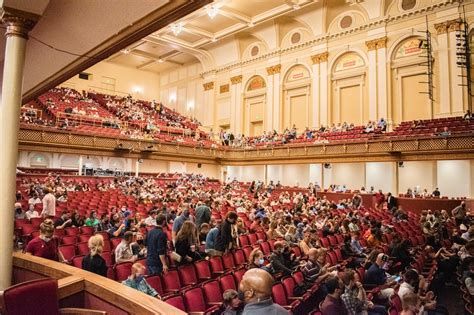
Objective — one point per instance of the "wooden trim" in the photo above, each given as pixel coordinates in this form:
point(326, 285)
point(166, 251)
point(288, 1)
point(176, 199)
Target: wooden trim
point(152, 22)
point(72, 280)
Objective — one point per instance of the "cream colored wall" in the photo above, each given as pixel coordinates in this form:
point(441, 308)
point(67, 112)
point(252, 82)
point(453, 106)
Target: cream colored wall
point(246, 173)
point(350, 174)
point(274, 173)
point(154, 166)
point(209, 170)
point(140, 84)
point(417, 173)
point(381, 175)
point(295, 175)
point(454, 178)
point(315, 174)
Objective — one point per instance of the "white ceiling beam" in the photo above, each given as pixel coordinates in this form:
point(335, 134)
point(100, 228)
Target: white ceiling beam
point(197, 31)
point(235, 15)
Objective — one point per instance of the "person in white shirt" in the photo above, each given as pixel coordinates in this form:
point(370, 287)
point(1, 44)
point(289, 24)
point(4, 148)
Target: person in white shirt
point(123, 251)
point(31, 213)
point(34, 200)
point(151, 219)
point(49, 204)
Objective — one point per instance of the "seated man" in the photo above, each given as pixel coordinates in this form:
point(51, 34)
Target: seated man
point(123, 251)
point(281, 260)
point(316, 270)
point(256, 288)
point(376, 276)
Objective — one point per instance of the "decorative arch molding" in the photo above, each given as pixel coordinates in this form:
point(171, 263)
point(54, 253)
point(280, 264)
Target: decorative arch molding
point(392, 49)
point(301, 74)
point(296, 107)
point(358, 17)
point(336, 57)
point(287, 39)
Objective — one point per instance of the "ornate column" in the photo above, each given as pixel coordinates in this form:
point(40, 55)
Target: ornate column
point(372, 76)
point(236, 110)
point(17, 29)
point(272, 106)
point(457, 90)
point(444, 77)
point(319, 89)
point(210, 104)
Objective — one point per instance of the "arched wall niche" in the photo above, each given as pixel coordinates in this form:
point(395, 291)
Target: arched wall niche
point(296, 97)
point(40, 160)
point(349, 101)
point(408, 80)
point(254, 104)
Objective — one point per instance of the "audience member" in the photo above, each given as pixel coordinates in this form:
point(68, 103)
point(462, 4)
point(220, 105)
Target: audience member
point(94, 262)
point(137, 281)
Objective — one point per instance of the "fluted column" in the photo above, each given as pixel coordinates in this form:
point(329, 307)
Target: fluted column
point(272, 105)
point(443, 56)
point(319, 89)
point(236, 110)
point(377, 76)
point(210, 104)
point(17, 29)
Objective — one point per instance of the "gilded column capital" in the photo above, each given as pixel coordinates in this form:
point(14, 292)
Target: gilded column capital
point(377, 43)
point(16, 25)
point(323, 57)
point(273, 69)
point(208, 86)
point(236, 80)
point(454, 25)
point(224, 88)
point(371, 44)
point(441, 28)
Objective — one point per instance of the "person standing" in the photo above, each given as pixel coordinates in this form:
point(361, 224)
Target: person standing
point(224, 238)
point(459, 213)
point(49, 204)
point(45, 245)
point(156, 247)
point(203, 214)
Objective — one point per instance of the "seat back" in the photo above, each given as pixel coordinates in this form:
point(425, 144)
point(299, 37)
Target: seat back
point(203, 270)
point(212, 291)
point(123, 271)
point(396, 302)
point(77, 261)
point(238, 274)
point(68, 251)
point(155, 283)
point(228, 261)
point(227, 281)
point(69, 240)
point(171, 281)
point(279, 294)
point(299, 277)
point(239, 257)
point(216, 264)
point(23, 298)
point(175, 300)
point(194, 300)
point(265, 247)
point(82, 248)
point(87, 230)
point(252, 238)
point(71, 230)
point(289, 285)
point(243, 240)
point(187, 274)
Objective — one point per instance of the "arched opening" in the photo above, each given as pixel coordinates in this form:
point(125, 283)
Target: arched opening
point(409, 97)
point(296, 96)
point(349, 99)
point(254, 100)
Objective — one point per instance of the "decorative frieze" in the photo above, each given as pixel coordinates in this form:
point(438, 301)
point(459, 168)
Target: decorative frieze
point(448, 26)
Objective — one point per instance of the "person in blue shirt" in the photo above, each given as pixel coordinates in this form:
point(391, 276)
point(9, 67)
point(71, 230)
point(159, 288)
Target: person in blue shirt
point(137, 281)
point(156, 247)
point(376, 275)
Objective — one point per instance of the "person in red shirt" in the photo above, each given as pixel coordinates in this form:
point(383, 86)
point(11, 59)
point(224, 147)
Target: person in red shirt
point(45, 245)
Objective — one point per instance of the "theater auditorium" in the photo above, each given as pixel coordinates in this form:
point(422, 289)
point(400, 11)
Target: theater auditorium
point(237, 157)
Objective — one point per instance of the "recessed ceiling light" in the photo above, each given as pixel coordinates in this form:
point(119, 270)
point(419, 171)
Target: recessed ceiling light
point(296, 7)
point(161, 60)
point(251, 24)
point(125, 51)
point(214, 39)
point(176, 28)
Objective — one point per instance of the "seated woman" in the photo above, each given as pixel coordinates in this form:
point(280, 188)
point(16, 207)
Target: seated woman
point(256, 260)
point(94, 261)
point(137, 281)
point(186, 243)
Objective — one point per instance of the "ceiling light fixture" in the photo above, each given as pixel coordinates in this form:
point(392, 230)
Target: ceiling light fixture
point(296, 7)
point(214, 39)
point(212, 11)
point(251, 24)
point(176, 28)
point(160, 60)
point(125, 51)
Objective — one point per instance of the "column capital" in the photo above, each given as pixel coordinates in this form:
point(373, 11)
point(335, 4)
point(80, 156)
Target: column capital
point(236, 79)
point(322, 57)
point(208, 86)
point(17, 25)
point(273, 69)
point(454, 25)
point(224, 88)
point(441, 28)
point(377, 43)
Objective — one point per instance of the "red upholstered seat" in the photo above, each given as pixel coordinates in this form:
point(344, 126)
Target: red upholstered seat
point(227, 281)
point(171, 282)
point(228, 261)
point(239, 273)
point(71, 230)
point(82, 248)
point(77, 261)
point(123, 271)
point(87, 230)
point(187, 274)
point(203, 270)
point(69, 240)
point(68, 251)
point(279, 296)
point(155, 283)
point(217, 266)
point(212, 291)
point(195, 302)
point(175, 300)
point(239, 257)
point(31, 295)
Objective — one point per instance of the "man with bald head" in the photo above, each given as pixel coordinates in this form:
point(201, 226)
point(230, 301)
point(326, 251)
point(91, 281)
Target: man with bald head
point(255, 291)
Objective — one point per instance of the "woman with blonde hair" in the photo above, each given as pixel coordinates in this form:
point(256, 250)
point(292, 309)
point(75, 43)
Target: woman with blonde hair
point(94, 262)
point(45, 245)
